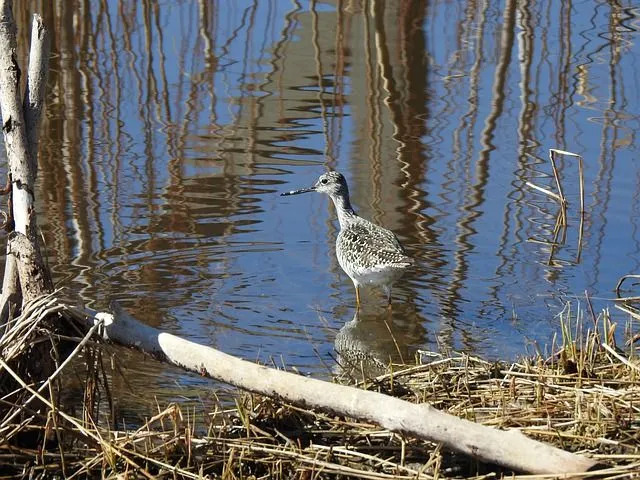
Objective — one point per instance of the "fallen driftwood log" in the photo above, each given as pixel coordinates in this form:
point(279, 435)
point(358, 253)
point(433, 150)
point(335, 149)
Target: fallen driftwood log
point(509, 448)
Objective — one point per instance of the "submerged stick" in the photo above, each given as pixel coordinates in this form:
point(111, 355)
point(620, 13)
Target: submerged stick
point(509, 448)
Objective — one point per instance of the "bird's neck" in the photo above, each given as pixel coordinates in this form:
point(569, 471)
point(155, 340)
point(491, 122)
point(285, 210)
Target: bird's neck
point(344, 209)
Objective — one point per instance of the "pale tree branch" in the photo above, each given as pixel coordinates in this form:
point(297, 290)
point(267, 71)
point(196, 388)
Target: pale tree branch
point(36, 85)
point(13, 126)
point(20, 125)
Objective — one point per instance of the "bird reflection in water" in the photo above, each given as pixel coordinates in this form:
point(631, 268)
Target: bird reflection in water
point(368, 344)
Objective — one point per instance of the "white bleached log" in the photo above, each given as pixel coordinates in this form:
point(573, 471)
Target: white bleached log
point(508, 448)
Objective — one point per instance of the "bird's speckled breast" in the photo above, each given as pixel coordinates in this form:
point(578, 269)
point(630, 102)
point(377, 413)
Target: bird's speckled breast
point(369, 253)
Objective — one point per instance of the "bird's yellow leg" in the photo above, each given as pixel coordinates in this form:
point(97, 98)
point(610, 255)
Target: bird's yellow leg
point(357, 296)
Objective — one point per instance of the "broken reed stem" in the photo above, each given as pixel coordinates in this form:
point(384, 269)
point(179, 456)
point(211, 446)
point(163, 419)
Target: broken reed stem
point(561, 218)
point(546, 191)
point(580, 236)
point(581, 177)
point(556, 175)
point(620, 357)
point(632, 312)
point(560, 197)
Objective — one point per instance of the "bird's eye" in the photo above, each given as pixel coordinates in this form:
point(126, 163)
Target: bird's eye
point(324, 181)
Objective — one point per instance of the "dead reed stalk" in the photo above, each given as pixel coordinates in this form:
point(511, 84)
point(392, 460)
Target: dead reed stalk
point(561, 222)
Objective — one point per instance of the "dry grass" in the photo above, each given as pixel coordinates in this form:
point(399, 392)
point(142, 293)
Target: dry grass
point(584, 397)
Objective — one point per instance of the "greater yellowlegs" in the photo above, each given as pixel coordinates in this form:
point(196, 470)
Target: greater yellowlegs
point(368, 253)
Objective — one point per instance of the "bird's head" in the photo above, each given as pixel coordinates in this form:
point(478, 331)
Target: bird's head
point(332, 183)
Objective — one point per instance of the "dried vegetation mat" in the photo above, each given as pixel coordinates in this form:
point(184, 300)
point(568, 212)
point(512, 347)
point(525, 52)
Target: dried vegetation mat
point(584, 396)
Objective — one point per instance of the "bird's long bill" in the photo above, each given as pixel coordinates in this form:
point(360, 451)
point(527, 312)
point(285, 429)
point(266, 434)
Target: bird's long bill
point(296, 192)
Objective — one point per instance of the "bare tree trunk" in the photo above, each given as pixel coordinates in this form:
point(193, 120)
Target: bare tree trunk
point(26, 276)
point(20, 124)
point(508, 448)
point(36, 86)
point(32, 271)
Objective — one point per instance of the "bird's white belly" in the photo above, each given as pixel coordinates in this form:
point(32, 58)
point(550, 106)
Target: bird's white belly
point(379, 275)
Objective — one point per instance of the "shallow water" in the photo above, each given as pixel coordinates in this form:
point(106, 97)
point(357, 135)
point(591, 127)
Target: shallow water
point(171, 129)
